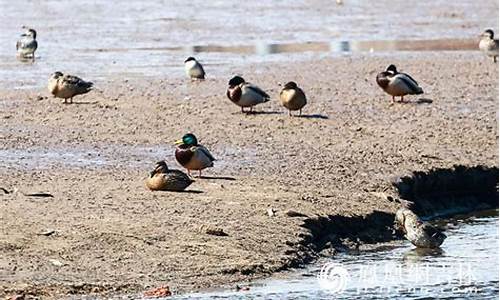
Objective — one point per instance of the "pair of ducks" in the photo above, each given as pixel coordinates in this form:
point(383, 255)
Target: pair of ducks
point(190, 155)
point(247, 95)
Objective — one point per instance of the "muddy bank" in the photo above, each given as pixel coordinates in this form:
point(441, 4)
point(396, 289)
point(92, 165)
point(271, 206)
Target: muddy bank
point(338, 164)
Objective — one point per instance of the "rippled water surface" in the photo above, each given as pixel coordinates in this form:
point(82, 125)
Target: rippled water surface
point(466, 267)
point(104, 39)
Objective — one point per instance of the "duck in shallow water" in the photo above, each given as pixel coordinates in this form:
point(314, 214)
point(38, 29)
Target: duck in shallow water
point(245, 94)
point(27, 44)
point(192, 155)
point(164, 179)
point(194, 69)
point(68, 86)
point(395, 83)
point(488, 44)
point(293, 98)
point(421, 234)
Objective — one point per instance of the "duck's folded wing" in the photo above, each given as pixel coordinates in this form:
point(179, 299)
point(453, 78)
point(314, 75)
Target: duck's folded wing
point(77, 82)
point(206, 152)
point(407, 79)
point(257, 90)
point(431, 230)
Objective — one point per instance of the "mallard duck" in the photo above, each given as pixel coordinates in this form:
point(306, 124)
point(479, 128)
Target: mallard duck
point(398, 84)
point(293, 98)
point(421, 234)
point(488, 44)
point(194, 69)
point(68, 86)
point(191, 155)
point(164, 179)
point(27, 44)
point(245, 94)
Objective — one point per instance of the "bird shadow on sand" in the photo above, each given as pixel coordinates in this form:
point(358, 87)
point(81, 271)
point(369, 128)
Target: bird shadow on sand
point(82, 103)
point(314, 116)
point(184, 192)
point(252, 113)
point(217, 178)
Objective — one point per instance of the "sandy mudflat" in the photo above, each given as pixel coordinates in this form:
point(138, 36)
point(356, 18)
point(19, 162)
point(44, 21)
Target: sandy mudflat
point(113, 236)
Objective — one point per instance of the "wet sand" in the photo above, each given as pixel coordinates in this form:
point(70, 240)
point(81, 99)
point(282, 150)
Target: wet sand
point(112, 236)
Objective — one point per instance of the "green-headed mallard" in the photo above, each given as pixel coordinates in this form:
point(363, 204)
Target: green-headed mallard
point(398, 84)
point(421, 234)
point(68, 86)
point(164, 179)
point(245, 94)
point(488, 44)
point(194, 69)
point(293, 98)
point(191, 155)
point(27, 44)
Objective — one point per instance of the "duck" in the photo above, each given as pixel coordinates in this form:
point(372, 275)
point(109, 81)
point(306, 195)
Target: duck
point(245, 94)
point(395, 83)
point(420, 234)
point(488, 44)
point(68, 86)
point(293, 98)
point(192, 155)
point(194, 69)
point(27, 44)
point(164, 179)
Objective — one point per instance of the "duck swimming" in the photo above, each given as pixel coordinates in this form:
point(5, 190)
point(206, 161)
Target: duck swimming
point(397, 84)
point(27, 44)
point(68, 86)
point(488, 44)
point(164, 179)
point(293, 98)
point(194, 69)
point(421, 234)
point(192, 155)
point(245, 94)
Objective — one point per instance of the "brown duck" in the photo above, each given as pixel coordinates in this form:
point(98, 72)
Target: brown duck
point(68, 86)
point(164, 179)
point(192, 155)
point(398, 84)
point(421, 234)
point(293, 98)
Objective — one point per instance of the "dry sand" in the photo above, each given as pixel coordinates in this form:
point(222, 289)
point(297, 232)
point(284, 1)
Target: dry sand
point(113, 236)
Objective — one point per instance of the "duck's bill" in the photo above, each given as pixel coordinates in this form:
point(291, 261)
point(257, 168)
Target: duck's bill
point(178, 142)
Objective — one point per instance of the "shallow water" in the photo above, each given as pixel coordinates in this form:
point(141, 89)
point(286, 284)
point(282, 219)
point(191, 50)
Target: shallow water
point(466, 267)
point(102, 40)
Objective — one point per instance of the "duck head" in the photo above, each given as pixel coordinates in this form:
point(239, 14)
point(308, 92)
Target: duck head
point(190, 59)
point(236, 80)
point(488, 33)
point(391, 69)
point(188, 139)
point(161, 167)
point(290, 86)
point(56, 75)
point(29, 32)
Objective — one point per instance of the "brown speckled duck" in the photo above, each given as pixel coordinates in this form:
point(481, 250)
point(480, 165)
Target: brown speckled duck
point(293, 98)
point(192, 155)
point(245, 94)
point(164, 179)
point(68, 86)
point(421, 234)
point(397, 84)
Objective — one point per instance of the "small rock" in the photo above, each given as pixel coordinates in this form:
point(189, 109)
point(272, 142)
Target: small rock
point(292, 213)
point(212, 230)
point(163, 291)
point(47, 232)
point(56, 262)
point(271, 212)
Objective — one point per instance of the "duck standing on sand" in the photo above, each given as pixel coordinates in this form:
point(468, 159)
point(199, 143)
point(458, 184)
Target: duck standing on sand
point(68, 86)
point(421, 234)
point(398, 84)
point(488, 44)
point(164, 179)
point(293, 98)
point(191, 155)
point(194, 69)
point(245, 94)
point(27, 44)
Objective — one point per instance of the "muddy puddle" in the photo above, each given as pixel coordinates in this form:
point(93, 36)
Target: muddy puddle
point(465, 267)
